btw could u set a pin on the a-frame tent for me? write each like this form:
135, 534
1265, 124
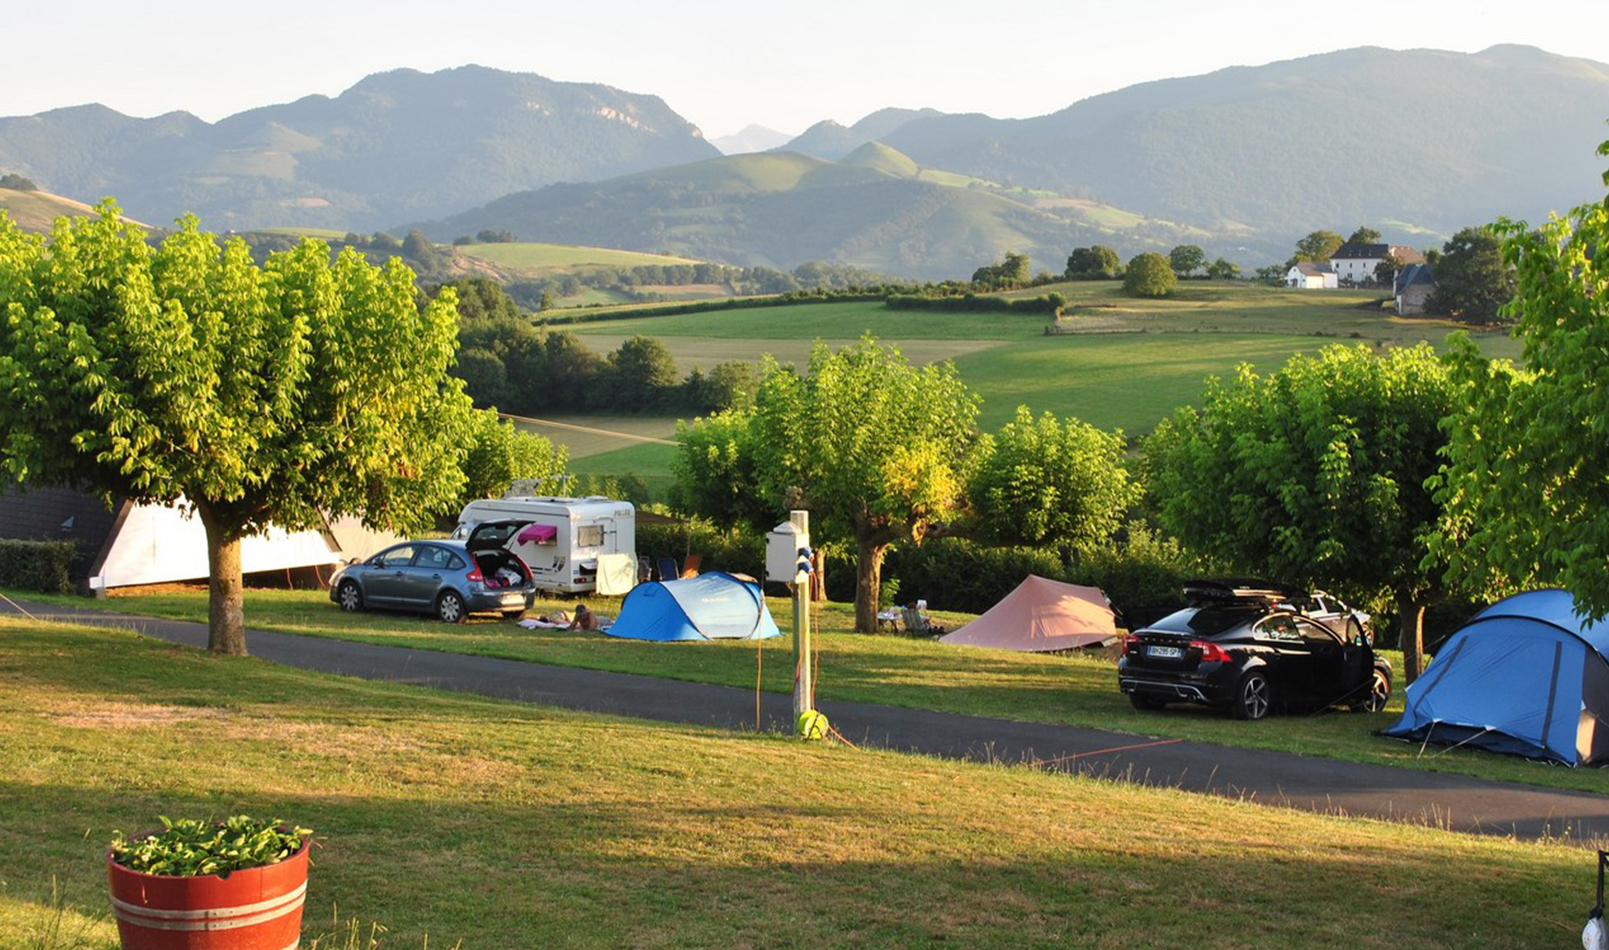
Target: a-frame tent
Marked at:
1041, 615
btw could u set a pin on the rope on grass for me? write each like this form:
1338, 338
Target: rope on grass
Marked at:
20, 609
1081, 755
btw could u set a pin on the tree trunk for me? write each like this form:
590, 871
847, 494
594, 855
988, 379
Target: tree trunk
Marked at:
1411, 636
226, 607
818, 576
868, 583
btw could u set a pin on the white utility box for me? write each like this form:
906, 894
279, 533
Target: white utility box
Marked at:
782, 559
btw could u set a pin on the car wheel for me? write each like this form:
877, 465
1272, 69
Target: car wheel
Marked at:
1379, 693
1253, 698
349, 596
1146, 703
450, 607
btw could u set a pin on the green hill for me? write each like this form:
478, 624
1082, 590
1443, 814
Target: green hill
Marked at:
397, 145
877, 210
558, 258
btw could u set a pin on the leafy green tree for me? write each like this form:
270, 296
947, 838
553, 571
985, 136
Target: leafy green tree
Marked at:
499, 454
1047, 481
1385, 272
1097, 262
1317, 246
1523, 493
1364, 235
1315, 474
1149, 275
1009, 273
717, 471
876, 447
16, 182
1186, 259
642, 374
1473, 281
258, 396
1223, 269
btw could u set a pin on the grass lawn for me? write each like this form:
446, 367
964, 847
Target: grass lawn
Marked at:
891, 670
594, 434
558, 258
646, 460
498, 825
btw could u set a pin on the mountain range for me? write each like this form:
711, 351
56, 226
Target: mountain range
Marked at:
1414, 143
396, 145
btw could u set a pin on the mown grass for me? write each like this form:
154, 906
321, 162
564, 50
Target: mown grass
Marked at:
891, 670
560, 258
504, 825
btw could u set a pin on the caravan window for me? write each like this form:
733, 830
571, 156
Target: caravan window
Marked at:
589, 536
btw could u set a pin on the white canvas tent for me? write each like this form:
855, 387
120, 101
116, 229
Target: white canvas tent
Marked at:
1039, 616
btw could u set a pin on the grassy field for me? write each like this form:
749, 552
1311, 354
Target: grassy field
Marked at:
891, 670
323, 234
484, 824
561, 258
1122, 362
38, 210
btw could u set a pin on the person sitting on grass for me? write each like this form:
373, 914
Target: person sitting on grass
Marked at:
584, 619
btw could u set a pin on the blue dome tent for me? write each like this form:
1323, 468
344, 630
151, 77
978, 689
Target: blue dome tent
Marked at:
712, 606
1527, 676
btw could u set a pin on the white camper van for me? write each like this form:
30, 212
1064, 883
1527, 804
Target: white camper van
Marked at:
566, 542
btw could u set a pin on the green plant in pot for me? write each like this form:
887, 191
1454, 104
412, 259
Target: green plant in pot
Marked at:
238, 884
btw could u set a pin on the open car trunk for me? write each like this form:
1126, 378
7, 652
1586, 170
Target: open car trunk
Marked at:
500, 566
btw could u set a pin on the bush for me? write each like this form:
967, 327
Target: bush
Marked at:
44, 566
970, 303
733, 550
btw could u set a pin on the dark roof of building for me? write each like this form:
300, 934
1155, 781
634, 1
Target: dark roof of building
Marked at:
1364, 251
1414, 274
1314, 268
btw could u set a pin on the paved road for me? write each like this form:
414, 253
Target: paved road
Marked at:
1317, 784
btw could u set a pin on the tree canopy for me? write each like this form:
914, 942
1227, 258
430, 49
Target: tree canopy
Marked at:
1317, 246
1149, 275
1049, 481
1364, 235
1097, 262
1524, 492
1223, 269
877, 447
1186, 259
1473, 278
259, 395
1315, 474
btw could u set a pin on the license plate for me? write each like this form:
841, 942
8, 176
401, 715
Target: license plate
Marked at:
1168, 653
514, 599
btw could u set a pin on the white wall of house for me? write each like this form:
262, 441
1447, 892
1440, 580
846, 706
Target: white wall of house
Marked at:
1356, 270
1325, 281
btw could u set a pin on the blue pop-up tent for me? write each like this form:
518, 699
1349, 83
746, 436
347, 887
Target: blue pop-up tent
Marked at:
1527, 676
712, 606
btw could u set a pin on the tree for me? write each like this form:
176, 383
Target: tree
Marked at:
1317, 246
499, 454
878, 449
716, 466
642, 373
1315, 474
1186, 259
1523, 492
1097, 262
1009, 273
1364, 235
1149, 275
1473, 281
1385, 272
273, 395
1046, 481
1222, 269
16, 182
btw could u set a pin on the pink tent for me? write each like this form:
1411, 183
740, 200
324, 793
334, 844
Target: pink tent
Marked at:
1039, 616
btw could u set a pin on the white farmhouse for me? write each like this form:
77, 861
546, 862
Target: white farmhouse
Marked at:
1311, 275
1354, 264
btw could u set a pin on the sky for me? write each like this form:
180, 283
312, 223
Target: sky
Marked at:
724, 64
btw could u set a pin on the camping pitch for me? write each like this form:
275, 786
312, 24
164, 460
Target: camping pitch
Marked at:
713, 606
1041, 615
1526, 676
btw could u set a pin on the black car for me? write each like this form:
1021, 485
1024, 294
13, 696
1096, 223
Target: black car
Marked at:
1251, 646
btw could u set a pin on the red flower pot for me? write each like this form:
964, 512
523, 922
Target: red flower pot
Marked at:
251, 909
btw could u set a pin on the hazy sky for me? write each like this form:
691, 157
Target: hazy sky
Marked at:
722, 63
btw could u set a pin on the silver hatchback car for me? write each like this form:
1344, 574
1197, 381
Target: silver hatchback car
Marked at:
449, 578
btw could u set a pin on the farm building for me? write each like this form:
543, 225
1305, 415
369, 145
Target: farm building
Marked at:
1312, 275
1354, 264
130, 544
1413, 285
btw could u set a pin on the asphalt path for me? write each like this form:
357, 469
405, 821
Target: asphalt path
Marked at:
1312, 783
